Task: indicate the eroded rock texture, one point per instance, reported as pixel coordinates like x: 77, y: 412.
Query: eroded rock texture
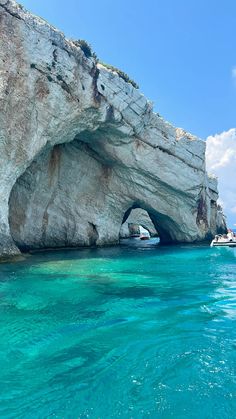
x: 80, y: 147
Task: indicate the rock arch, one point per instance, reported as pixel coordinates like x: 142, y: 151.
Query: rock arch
x: 70, y: 128
x: 75, y: 194
x: 137, y: 217
x: 166, y: 227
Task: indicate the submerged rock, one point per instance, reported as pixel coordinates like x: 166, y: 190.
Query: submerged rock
x: 80, y: 147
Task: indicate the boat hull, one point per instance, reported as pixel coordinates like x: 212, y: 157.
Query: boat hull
x: 223, y: 244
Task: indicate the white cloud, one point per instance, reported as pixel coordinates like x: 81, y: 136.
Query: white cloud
x: 234, y: 73
x: 221, y: 161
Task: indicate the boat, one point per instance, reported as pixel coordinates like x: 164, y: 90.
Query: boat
x: 144, y: 234
x: 144, y: 237
x: 225, y: 240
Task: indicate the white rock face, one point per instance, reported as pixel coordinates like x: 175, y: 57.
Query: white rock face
x: 79, y: 147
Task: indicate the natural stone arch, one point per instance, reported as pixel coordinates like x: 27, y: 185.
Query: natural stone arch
x: 52, y: 94
x: 73, y: 195
x: 76, y: 194
x: 138, y: 217
x: 164, y: 225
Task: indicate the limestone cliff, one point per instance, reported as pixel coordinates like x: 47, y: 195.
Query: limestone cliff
x: 80, y: 147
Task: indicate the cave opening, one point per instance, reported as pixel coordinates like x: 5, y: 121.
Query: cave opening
x: 139, y: 216
x: 74, y: 195
x: 137, y: 224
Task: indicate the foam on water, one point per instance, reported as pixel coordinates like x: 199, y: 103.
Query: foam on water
x: 131, y: 332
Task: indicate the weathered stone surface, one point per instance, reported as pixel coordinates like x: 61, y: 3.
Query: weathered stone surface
x: 136, y: 218
x: 80, y: 147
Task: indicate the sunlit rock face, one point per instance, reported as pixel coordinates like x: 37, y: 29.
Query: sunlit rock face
x: 80, y: 147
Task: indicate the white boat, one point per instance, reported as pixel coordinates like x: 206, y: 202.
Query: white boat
x: 225, y: 240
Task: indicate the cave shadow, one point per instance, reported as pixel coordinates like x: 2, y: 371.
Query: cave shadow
x: 161, y: 223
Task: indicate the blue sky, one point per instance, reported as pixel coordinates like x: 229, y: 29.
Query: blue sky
x: 181, y: 53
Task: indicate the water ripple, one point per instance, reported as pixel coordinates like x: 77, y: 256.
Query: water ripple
x: 119, y: 332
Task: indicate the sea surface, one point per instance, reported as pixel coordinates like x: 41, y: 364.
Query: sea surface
x: 139, y: 331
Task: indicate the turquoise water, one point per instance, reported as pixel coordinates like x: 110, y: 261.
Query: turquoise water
x: 119, y: 332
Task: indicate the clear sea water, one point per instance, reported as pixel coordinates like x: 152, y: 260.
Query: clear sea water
x: 121, y: 332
